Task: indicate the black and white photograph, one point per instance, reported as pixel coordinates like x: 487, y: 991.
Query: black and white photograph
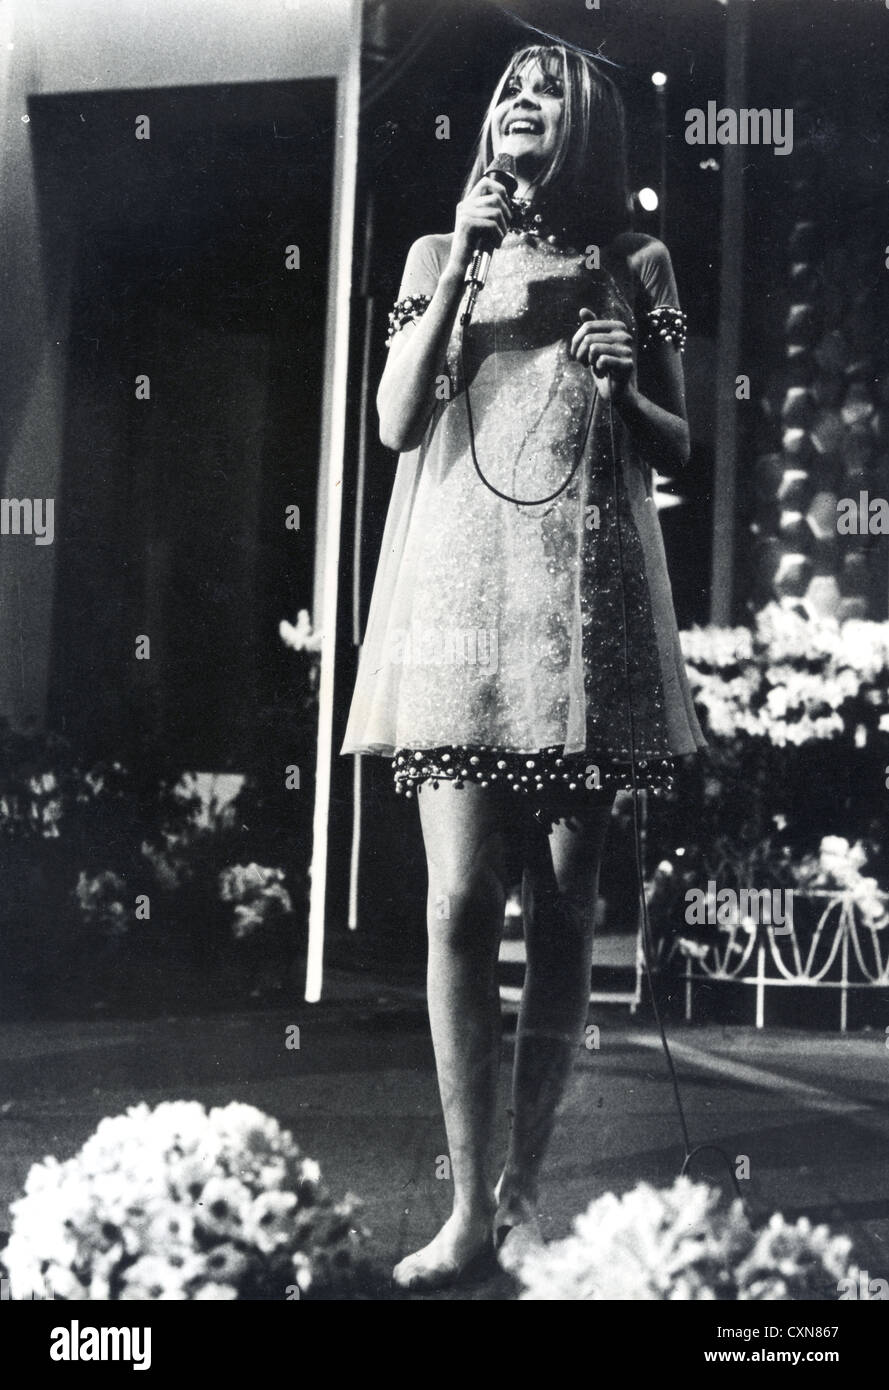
x: 444, y: 664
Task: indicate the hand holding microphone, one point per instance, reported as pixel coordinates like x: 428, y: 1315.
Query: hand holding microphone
x: 607, y: 346
x: 483, y: 219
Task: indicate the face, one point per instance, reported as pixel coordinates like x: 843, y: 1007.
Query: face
x: 528, y: 117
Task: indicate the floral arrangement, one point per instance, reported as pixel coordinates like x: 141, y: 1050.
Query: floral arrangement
x: 300, y: 636
x: 176, y: 1203
x: 793, y: 704
x: 38, y: 811
x: 46, y: 788
x: 681, y: 1244
x: 99, y: 899
x: 258, y: 894
x: 112, y: 874
x: 837, y: 869
x: 792, y: 678
x: 194, y: 818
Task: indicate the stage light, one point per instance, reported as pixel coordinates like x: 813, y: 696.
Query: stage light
x: 659, y: 79
x: 648, y: 199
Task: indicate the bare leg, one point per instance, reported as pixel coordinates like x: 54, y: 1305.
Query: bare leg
x: 463, y: 836
x: 559, y: 891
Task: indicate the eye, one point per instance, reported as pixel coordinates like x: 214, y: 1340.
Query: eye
x: 550, y: 86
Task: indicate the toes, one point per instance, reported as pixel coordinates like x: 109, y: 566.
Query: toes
x: 416, y: 1275
x: 418, y: 1272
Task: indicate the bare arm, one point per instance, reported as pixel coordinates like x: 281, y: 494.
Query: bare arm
x: 650, y: 399
x: 648, y: 395
x: 657, y: 417
x: 406, y: 397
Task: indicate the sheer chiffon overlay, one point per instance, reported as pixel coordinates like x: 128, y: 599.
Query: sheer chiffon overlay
x: 500, y: 625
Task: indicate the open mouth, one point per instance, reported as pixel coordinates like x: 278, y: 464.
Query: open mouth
x: 521, y: 125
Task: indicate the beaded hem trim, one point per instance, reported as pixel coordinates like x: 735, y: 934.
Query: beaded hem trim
x: 548, y: 769
x: 667, y: 323
x: 404, y: 311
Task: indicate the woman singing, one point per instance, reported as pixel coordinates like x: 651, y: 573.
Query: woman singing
x: 522, y: 662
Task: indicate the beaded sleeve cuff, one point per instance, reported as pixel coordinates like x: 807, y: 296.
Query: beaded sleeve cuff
x: 667, y: 323
x: 411, y: 307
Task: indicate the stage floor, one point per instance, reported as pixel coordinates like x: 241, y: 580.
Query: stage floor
x: 811, y: 1111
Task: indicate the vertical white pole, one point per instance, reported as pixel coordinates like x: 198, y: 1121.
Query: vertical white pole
x: 844, y: 975
x: 760, y: 985
x: 355, y: 856
x: 332, y: 456
x: 355, y: 859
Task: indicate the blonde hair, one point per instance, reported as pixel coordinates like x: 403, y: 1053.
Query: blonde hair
x: 585, y: 185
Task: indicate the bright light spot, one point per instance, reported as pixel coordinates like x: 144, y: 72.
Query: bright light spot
x: 663, y: 501
x: 648, y: 199
x: 659, y: 79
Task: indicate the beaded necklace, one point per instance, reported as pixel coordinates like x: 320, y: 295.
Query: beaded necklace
x: 529, y: 223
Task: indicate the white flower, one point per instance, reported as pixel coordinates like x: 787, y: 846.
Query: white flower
x: 219, y: 1208
x: 678, y: 1244
x: 302, y: 637
x: 865, y: 648
x: 698, y: 950
x: 718, y: 647
x: 837, y: 869
x: 788, y: 678
x: 269, y: 1221
x: 94, y: 780
x: 153, y: 1277
x: 871, y: 902
x: 258, y: 894
x: 792, y: 1262
x: 777, y: 701
x: 99, y: 898
x: 175, y: 1203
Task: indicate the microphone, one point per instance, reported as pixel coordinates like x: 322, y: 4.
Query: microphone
x: 503, y: 170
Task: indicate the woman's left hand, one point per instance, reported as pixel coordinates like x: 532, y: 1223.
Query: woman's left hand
x: 607, y: 346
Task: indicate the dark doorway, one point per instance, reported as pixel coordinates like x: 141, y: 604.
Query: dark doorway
x: 171, y: 519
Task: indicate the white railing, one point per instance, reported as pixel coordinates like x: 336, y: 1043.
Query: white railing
x: 840, y: 945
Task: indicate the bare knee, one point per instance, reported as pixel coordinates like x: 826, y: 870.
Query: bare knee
x: 557, y: 917
x: 468, y: 914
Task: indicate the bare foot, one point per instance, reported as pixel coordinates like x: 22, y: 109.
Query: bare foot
x: 517, y: 1232
x: 515, y: 1243
x: 515, y: 1204
x: 460, y: 1249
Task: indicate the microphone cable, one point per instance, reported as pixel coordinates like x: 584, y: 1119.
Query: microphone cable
x: 646, y: 934
x: 690, y: 1152
x: 504, y: 496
